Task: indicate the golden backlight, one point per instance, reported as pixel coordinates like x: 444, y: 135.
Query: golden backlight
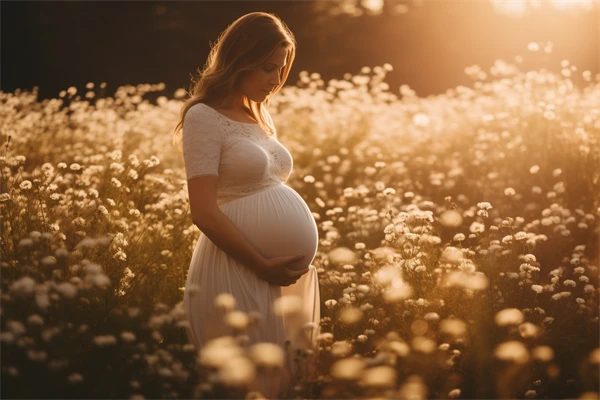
x: 519, y: 8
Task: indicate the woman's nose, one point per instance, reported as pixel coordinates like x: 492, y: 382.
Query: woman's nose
x: 275, y: 81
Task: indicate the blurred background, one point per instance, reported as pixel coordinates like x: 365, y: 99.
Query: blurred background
x: 432, y: 45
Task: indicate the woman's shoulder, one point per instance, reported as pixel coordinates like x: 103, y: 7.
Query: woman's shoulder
x: 200, y: 118
x: 202, y: 113
x: 200, y: 109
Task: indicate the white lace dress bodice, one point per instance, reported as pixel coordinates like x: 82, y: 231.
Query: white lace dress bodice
x: 244, y: 157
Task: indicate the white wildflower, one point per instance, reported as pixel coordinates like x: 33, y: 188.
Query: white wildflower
x: 537, y: 288
x: 26, y: 185
x: 348, y: 369
x: 267, y: 354
x: 104, y: 340
x: 513, y: 351
x: 508, y: 316
x: 237, y: 371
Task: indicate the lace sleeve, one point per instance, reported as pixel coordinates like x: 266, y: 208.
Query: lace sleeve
x: 202, y: 142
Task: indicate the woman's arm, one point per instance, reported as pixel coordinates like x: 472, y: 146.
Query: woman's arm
x: 207, y: 216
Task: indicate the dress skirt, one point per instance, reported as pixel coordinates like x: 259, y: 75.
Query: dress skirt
x: 277, y: 222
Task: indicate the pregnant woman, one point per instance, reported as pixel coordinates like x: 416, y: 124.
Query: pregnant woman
x: 259, y: 236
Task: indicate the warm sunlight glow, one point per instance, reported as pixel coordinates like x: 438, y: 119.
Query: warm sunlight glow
x: 511, y: 8
x: 566, y: 4
x: 519, y: 8
x: 375, y: 6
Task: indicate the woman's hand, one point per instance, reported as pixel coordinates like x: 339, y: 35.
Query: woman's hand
x: 276, y: 270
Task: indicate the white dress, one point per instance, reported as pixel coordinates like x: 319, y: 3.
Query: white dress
x: 252, y: 168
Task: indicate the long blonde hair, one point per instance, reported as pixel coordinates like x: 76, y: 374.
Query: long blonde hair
x: 243, y: 46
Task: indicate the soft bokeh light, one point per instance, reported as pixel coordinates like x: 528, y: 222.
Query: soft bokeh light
x: 520, y: 8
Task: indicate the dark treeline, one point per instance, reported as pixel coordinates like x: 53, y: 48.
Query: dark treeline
x: 55, y: 45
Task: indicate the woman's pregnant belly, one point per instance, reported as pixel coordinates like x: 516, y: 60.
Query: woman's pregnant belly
x: 277, y: 222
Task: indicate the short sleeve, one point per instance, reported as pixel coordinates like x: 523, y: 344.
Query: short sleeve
x: 202, y: 141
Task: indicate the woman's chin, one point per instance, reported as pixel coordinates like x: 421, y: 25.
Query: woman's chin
x: 264, y: 96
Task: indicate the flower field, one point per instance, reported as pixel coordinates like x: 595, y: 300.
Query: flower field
x: 458, y: 257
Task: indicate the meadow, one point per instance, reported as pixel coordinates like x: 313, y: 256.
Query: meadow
x: 458, y: 255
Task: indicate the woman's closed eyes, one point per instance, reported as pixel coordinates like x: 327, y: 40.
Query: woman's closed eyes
x: 271, y: 69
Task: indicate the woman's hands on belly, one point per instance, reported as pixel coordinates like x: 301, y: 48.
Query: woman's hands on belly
x: 277, y: 271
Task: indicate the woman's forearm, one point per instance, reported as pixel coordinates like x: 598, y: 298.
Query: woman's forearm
x: 226, y: 236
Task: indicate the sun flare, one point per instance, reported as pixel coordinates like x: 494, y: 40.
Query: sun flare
x: 520, y: 8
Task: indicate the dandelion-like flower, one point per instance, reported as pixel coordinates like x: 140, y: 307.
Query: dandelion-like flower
x: 413, y: 388
x: 105, y: 340
x: 287, y: 305
x: 236, y: 319
x: 451, y: 219
x: 476, y: 227
x: 451, y: 255
x: 26, y: 185
x: 35, y: 319
x: 512, y: 351
x: 309, y: 179
x: 537, y: 288
x: 542, y: 353
x: 380, y: 376
x: 217, y: 351
x: 423, y: 344
x: 508, y: 316
x: 399, y: 348
x: 530, y: 394
x: 267, y: 354
x: 342, y: 255
x: 75, y: 378
x: 237, y: 371
x: 118, y: 167
x: 128, y: 336
x: 484, y: 205
x: 24, y: 285
x: 453, y: 326
x: 528, y: 330
x: 330, y: 303
x: 67, y: 289
x: 347, y: 369
x: 341, y: 348
x: 225, y: 301
x: 325, y: 337
x: 398, y: 290
x: 459, y: 237
x: 350, y: 315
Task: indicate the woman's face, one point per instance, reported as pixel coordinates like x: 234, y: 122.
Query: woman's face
x: 257, y: 84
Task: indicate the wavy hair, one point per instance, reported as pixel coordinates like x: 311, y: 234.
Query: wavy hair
x: 243, y: 46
